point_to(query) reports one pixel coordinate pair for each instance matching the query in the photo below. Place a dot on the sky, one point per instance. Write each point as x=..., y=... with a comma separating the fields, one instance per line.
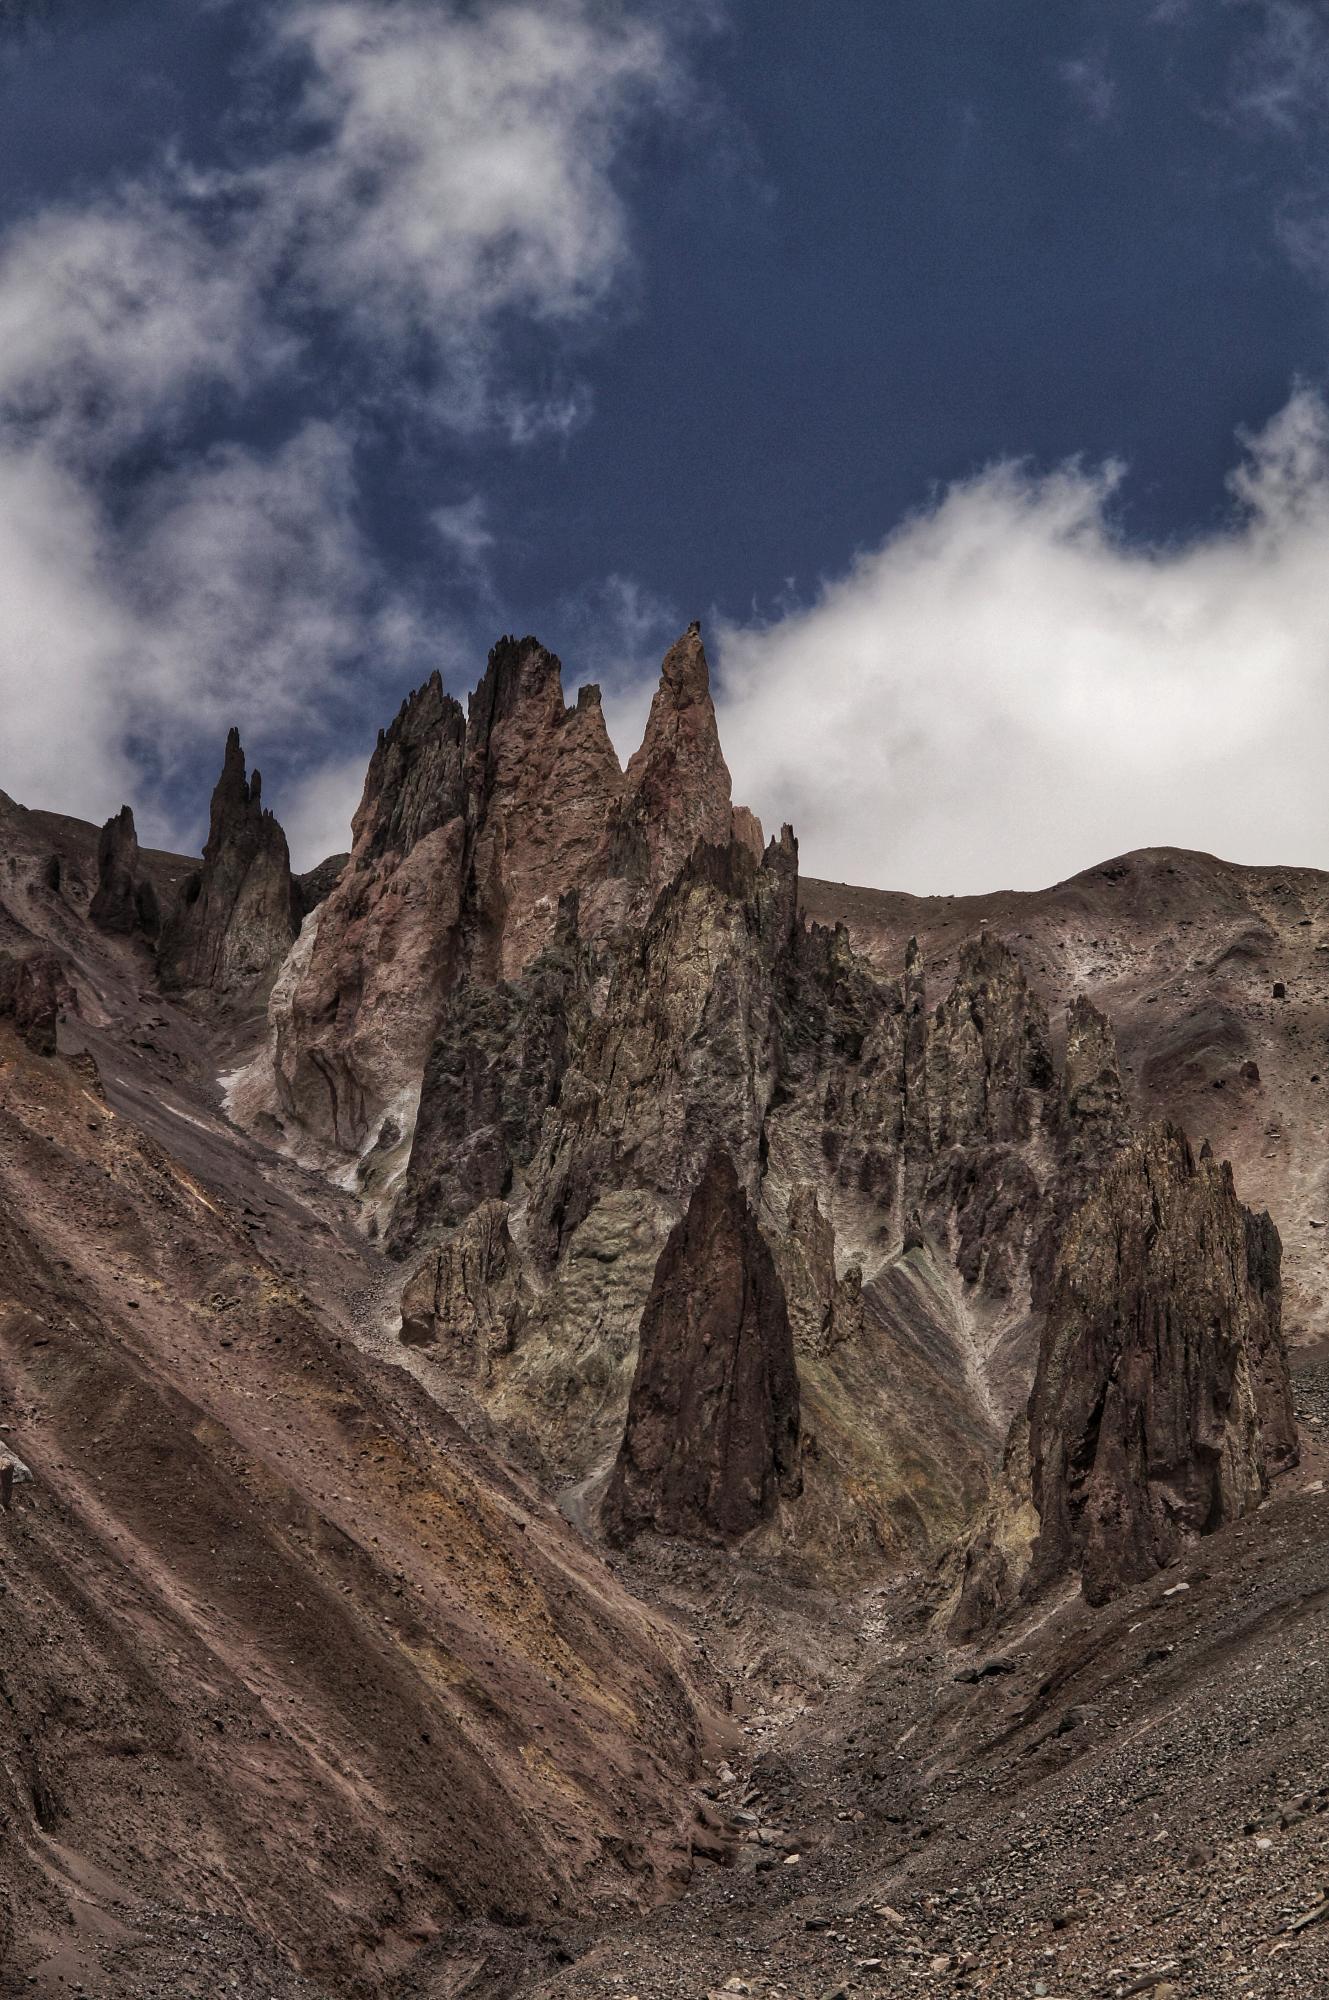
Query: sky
x=964, y=370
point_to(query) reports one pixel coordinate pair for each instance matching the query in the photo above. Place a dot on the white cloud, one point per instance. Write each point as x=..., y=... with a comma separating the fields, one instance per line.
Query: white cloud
x=449, y=171
x=465, y=167
x=317, y=811
x=1006, y=691
x=237, y=589
x=113, y=316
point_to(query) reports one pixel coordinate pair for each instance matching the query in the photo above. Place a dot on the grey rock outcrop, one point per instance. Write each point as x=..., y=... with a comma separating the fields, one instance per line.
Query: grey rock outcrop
x=125, y=902
x=239, y=915
x=1162, y=1404
x=468, y=1296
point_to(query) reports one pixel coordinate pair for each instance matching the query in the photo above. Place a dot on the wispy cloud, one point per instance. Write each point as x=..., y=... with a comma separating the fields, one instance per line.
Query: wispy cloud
x=1007, y=679
x=1091, y=84
x=1282, y=75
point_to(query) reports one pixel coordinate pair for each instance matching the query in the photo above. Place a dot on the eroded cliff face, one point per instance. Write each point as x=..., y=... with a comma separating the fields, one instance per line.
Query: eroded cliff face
x=711, y=1440
x=125, y=902
x=354, y=1010
x=1161, y=1406
x=472, y=832
x=905, y=1168
x=238, y=917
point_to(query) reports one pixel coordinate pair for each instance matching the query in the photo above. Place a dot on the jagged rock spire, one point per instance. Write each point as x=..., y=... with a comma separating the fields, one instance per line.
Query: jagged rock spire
x=677, y=788
x=239, y=914
x=712, y=1431
x=125, y=902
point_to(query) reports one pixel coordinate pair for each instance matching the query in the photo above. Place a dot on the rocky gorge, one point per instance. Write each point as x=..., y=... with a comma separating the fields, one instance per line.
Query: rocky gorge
x=544, y=1353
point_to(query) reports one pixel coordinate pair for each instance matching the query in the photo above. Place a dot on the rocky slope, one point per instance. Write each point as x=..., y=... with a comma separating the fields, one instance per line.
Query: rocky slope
x=294, y=1673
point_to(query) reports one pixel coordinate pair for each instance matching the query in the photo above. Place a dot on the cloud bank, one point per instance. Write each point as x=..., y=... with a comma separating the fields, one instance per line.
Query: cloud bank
x=1006, y=691
x=436, y=177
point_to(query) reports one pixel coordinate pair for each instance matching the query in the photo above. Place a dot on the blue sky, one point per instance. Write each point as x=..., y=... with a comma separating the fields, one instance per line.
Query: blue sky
x=960, y=369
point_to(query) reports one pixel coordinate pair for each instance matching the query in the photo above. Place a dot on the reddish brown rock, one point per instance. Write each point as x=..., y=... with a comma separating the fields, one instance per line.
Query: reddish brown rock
x=355, y=1011
x=711, y=1442
x=677, y=790
x=1162, y=1403
x=239, y=915
x=542, y=781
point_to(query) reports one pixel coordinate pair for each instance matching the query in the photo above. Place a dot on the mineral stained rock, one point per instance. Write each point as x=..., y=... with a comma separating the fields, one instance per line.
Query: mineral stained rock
x=240, y=914
x=1162, y=1403
x=712, y=1435
x=125, y=902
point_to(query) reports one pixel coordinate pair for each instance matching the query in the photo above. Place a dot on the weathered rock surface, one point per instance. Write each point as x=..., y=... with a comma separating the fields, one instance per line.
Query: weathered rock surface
x=496, y=1064
x=354, y=1012
x=34, y=988
x=1181, y=952
x=676, y=791
x=682, y=1055
x=824, y=1310
x=125, y=902
x=711, y=1442
x=468, y=1296
x=239, y=916
x=542, y=781
x=1162, y=1403
x=471, y=834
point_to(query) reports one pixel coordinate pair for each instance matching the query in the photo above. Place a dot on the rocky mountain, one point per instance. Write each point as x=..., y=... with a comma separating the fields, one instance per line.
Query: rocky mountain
x=560, y=1415
x=238, y=916
x=1215, y=979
